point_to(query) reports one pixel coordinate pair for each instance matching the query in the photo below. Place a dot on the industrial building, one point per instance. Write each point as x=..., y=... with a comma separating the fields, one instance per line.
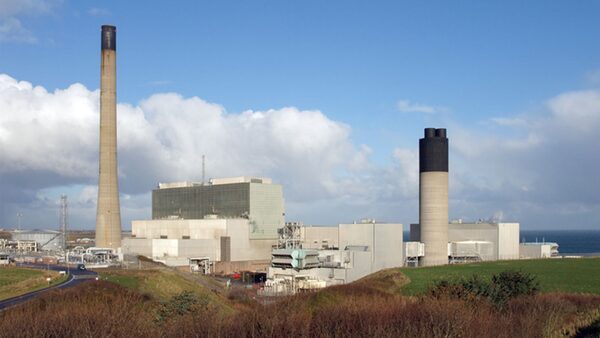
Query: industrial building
x=175, y=241
x=233, y=222
x=325, y=256
x=538, y=250
x=38, y=240
x=256, y=199
x=483, y=241
x=236, y=224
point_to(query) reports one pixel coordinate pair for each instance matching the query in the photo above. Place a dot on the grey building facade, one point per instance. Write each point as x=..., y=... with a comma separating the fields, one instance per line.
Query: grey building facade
x=256, y=199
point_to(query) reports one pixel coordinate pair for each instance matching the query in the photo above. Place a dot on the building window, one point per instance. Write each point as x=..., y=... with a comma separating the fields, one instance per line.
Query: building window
x=185, y=237
x=163, y=236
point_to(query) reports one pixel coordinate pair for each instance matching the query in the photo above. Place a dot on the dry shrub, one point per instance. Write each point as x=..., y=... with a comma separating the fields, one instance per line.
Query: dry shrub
x=106, y=310
x=91, y=309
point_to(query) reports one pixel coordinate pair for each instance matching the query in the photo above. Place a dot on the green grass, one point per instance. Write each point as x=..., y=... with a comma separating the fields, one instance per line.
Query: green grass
x=579, y=275
x=160, y=283
x=126, y=281
x=17, y=281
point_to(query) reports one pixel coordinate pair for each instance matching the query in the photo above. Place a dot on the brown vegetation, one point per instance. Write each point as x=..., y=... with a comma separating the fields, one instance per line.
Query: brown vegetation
x=355, y=310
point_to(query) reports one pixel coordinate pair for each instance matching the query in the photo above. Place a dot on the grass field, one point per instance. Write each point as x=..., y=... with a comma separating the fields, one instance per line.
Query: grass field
x=161, y=283
x=17, y=281
x=564, y=275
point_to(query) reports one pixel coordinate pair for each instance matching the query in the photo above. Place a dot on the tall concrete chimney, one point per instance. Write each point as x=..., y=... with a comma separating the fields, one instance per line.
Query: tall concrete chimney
x=433, y=195
x=108, y=216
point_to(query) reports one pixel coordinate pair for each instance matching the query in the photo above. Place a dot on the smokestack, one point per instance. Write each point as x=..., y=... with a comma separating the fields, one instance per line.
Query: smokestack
x=433, y=196
x=108, y=216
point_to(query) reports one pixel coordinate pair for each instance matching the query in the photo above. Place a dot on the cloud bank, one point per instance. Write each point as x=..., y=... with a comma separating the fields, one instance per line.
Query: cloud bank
x=539, y=169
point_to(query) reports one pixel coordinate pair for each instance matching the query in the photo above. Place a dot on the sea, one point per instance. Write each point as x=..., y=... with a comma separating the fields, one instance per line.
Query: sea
x=570, y=242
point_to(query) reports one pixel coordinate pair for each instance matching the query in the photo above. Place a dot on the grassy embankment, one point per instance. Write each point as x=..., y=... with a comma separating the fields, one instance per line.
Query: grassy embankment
x=161, y=283
x=555, y=275
x=17, y=281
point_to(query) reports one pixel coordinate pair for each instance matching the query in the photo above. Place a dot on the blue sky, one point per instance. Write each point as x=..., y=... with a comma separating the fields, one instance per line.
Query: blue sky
x=488, y=71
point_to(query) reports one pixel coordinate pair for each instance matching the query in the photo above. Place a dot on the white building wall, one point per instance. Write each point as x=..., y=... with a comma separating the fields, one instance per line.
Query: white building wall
x=508, y=240
x=242, y=247
x=318, y=237
x=362, y=265
x=204, y=239
x=200, y=248
x=535, y=250
x=356, y=234
x=137, y=246
x=165, y=247
x=387, y=246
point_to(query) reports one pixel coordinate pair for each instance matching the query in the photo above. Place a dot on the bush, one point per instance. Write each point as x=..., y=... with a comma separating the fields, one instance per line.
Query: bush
x=179, y=305
x=501, y=288
x=511, y=284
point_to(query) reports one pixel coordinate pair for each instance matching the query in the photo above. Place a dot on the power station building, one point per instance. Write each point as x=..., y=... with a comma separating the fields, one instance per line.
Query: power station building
x=238, y=224
x=233, y=222
x=483, y=241
x=323, y=256
x=256, y=199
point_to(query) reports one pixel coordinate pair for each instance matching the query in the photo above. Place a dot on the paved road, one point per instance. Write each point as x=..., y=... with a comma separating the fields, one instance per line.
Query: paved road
x=75, y=277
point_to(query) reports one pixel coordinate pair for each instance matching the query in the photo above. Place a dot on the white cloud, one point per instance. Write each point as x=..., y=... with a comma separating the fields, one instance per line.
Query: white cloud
x=406, y=106
x=510, y=122
x=544, y=175
x=53, y=136
x=11, y=30
x=11, y=27
x=95, y=11
x=10, y=8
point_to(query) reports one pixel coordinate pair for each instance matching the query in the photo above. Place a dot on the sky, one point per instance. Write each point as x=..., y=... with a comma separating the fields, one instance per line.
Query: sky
x=328, y=99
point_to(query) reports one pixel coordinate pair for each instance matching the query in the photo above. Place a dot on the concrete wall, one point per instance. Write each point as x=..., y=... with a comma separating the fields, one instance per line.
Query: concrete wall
x=165, y=247
x=362, y=265
x=137, y=246
x=508, y=240
x=503, y=236
x=243, y=248
x=204, y=239
x=318, y=237
x=179, y=228
x=199, y=248
x=383, y=239
x=356, y=234
x=387, y=246
x=535, y=250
